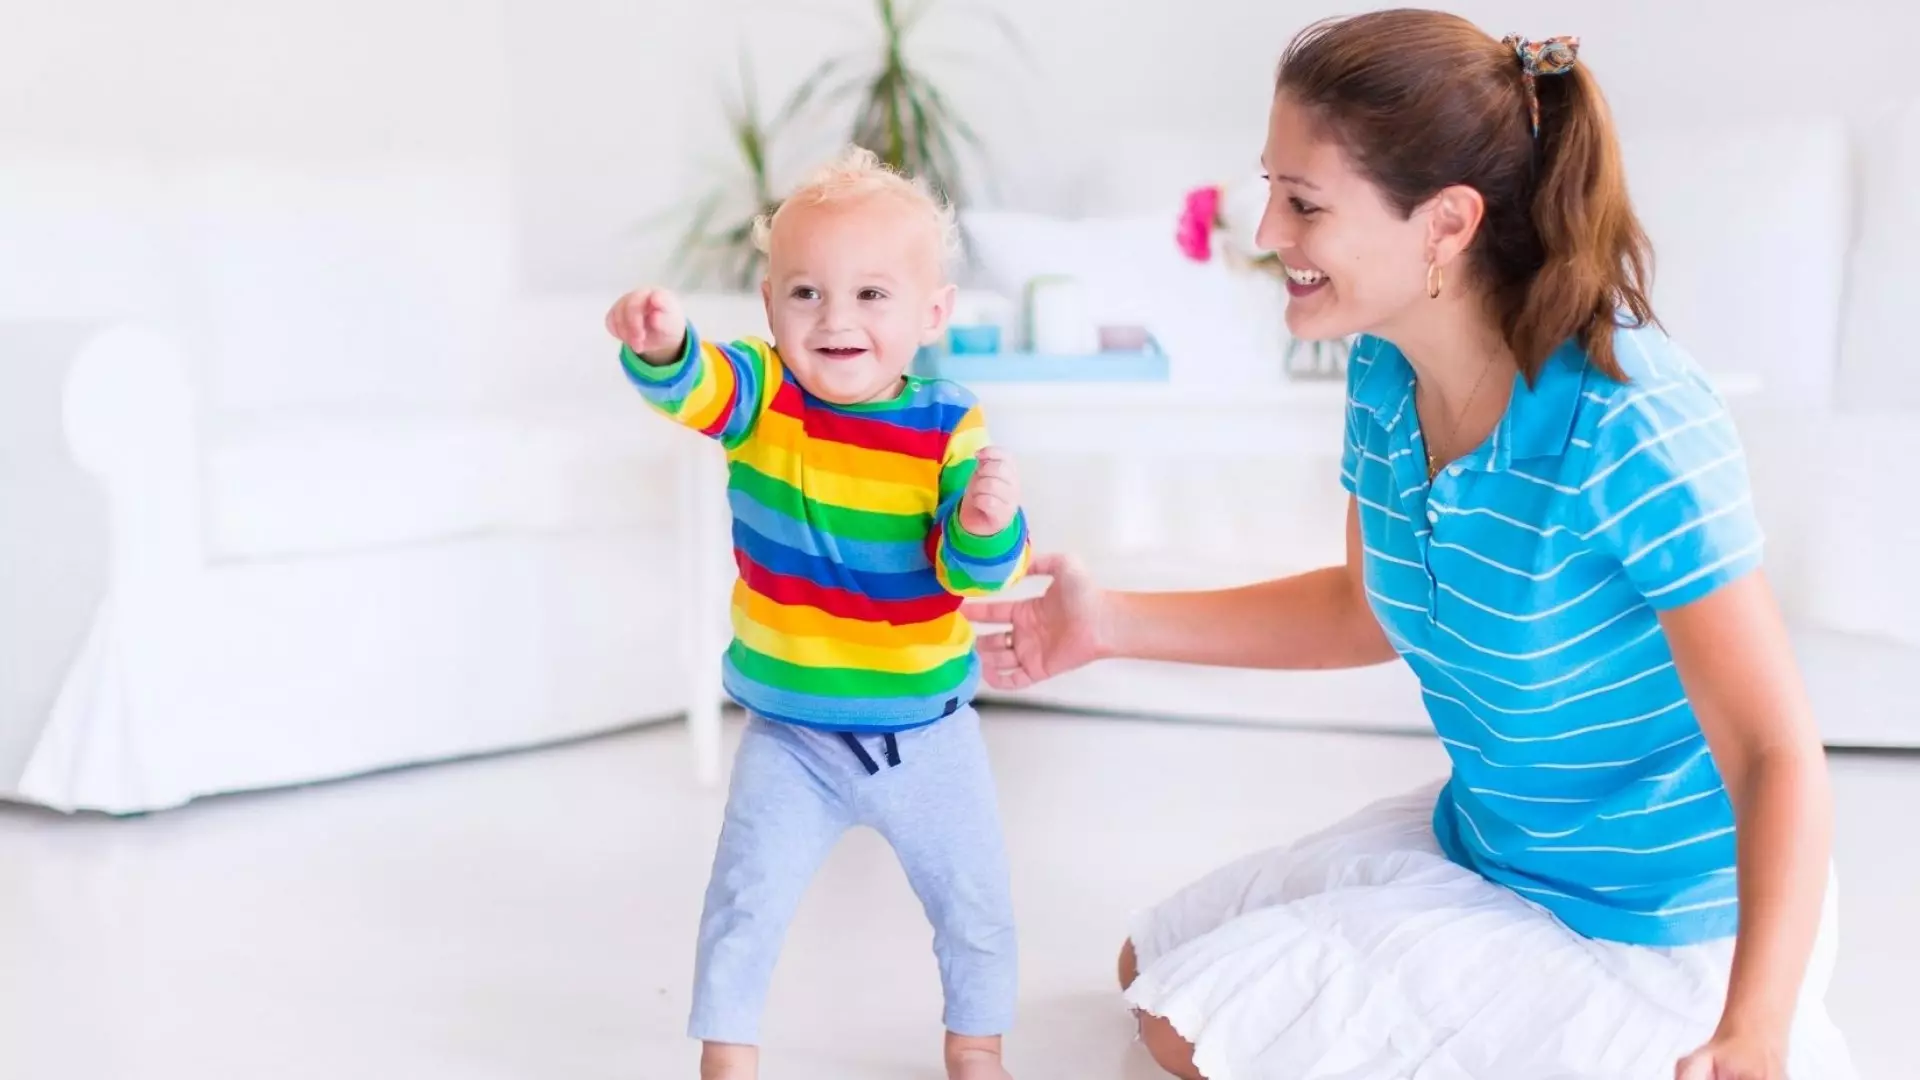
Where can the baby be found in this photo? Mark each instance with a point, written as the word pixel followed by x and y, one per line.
pixel 866 503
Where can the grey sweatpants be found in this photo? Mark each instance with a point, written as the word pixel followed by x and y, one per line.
pixel 794 792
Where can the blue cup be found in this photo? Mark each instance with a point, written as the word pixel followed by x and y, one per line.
pixel 973 340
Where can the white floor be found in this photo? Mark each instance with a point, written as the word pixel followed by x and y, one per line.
pixel 531 916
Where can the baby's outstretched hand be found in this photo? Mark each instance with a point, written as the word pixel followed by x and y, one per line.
pixel 992 496
pixel 651 323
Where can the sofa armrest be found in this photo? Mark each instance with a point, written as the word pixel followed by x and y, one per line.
pixel 54 534
pixel 130 420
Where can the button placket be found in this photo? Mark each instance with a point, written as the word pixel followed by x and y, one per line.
pixel 1426 550
pixel 1447 486
pixel 1410 474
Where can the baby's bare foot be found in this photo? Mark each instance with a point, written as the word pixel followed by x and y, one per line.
pixel 979 1066
pixel 974 1059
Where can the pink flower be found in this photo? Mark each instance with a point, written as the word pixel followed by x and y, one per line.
pixel 1197 223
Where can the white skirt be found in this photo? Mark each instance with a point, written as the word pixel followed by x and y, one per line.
pixel 1363 953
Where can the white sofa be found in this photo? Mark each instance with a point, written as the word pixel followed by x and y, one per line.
pixel 299 485
pixel 1784 255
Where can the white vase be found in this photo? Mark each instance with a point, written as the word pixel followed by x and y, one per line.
pixel 1060 318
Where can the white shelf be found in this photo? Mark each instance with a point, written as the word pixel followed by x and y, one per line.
pixel 1173 418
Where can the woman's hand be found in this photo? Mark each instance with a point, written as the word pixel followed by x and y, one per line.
pixel 1052 633
pixel 1735 1057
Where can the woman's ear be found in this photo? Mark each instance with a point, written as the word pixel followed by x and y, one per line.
pixel 1453 221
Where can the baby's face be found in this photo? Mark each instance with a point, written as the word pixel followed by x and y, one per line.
pixel 853 290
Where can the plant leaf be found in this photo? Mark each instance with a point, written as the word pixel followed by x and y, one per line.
pixel 880 125
pixel 913 16
pixel 803 94
pixel 855 86
pixel 744 111
pixel 924 146
pixel 948 117
pixel 895 103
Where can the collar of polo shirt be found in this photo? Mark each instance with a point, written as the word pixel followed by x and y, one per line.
pixel 1538 421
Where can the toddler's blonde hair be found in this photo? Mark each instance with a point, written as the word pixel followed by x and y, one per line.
pixel 859 173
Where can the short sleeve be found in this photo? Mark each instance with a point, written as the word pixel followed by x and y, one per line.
pixel 1350 452
pixel 1668 495
pixel 1359 362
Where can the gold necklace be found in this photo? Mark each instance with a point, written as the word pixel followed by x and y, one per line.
pixel 1433 459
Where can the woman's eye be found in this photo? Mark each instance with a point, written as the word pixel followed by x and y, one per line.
pixel 1302 208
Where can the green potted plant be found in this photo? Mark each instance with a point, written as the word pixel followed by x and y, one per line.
pixel 899 111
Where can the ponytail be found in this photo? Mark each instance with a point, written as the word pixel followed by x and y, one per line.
pixel 1597 262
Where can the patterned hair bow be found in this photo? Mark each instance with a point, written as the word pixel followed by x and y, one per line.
pixel 1554 56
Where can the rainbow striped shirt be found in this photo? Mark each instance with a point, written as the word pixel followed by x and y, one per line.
pixel 846 614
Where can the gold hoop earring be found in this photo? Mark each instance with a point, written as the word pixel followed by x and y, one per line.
pixel 1436 278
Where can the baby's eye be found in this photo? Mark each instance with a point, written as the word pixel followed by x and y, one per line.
pixel 805 292
pixel 873 294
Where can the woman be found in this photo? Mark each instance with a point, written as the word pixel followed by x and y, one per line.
pixel 1550 522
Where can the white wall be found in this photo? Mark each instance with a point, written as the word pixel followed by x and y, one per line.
pixel 604 111
pixel 288 81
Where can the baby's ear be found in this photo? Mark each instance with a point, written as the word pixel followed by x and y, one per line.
pixel 939 311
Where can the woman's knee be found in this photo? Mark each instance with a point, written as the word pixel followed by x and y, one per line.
pixel 1169 1050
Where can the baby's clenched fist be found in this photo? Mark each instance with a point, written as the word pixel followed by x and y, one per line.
pixel 651 323
pixel 992 496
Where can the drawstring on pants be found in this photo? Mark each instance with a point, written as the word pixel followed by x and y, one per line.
pixel 866 759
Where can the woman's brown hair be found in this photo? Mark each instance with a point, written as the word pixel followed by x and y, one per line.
pixel 1421 100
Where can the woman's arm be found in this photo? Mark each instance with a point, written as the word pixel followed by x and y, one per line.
pixel 1313 620
pixel 1737 665
pixel 1318 619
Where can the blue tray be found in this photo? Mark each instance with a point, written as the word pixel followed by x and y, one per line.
pixel 1148 366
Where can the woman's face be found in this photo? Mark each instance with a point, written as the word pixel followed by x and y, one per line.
pixel 1354 265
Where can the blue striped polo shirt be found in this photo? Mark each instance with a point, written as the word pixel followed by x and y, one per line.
pixel 1523 587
